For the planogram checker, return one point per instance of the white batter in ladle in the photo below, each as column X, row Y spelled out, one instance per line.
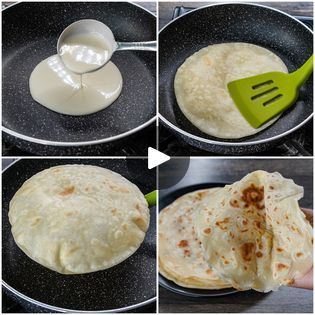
column 81, row 79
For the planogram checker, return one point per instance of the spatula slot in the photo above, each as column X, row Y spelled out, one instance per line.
column 257, row 86
column 272, row 100
column 264, row 93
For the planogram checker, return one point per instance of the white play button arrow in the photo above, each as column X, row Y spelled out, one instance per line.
column 156, row 158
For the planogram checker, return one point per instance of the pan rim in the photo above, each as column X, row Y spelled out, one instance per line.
column 239, row 143
column 81, row 143
column 64, row 310
column 61, row 309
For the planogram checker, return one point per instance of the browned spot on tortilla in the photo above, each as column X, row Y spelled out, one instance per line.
column 257, row 223
column 57, row 170
column 223, row 203
column 221, row 223
column 233, row 249
column 187, row 252
column 281, row 266
column 253, row 196
column 287, row 217
column 271, row 187
column 67, row 191
column 207, row 230
column 259, row 254
column 140, row 222
column 234, row 203
column 209, row 271
column 245, row 268
column 289, row 239
column 114, row 211
column 299, row 254
column 242, row 231
column 226, row 262
column 200, row 195
column 290, row 281
column 187, row 210
column 183, row 243
column 247, row 250
column 278, row 222
column 180, row 220
column 296, row 229
column 245, row 221
column 279, row 249
column 268, row 197
column 231, row 234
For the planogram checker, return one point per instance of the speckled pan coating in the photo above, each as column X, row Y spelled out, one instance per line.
column 130, row 282
column 30, row 33
column 283, row 35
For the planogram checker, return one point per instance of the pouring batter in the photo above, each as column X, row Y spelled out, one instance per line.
column 66, row 84
column 57, row 88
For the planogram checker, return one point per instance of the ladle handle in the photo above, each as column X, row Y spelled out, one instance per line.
column 151, row 46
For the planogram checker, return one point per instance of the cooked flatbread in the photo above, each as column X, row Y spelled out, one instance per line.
column 181, row 258
column 254, row 233
column 201, row 86
column 77, row 219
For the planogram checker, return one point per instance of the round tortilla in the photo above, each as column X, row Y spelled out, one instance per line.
column 77, row 219
column 254, row 234
column 181, row 258
column 201, row 86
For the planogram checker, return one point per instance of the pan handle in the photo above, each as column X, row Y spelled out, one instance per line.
column 150, row 46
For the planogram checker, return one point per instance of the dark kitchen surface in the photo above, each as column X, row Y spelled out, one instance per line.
column 299, row 143
column 10, row 304
column 166, row 9
column 134, row 145
column 286, row 300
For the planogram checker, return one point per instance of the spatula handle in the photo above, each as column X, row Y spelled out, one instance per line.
column 303, row 73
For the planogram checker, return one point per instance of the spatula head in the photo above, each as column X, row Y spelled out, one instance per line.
column 262, row 97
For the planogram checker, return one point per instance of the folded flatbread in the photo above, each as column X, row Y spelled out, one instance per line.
column 254, row 234
column 181, row 256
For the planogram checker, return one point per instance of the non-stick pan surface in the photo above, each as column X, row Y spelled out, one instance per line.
column 30, row 32
column 127, row 285
column 170, row 285
column 291, row 40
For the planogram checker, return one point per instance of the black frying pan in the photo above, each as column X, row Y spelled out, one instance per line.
column 29, row 34
column 290, row 39
column 128, row 285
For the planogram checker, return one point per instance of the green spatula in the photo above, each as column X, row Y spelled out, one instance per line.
column 262, row 97
column 151, row 198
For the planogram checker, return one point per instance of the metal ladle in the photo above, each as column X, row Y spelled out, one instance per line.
column 89, row 26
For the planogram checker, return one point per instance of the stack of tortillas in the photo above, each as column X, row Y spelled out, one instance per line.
column 248, row 235
column 78, row 218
